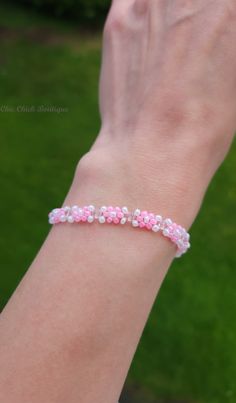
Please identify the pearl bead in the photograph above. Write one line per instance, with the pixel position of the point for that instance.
(168, 221)
(121, 215)
(158, 218)
(180, 243)
(166, 232)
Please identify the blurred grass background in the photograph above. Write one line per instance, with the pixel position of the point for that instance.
(188, 349)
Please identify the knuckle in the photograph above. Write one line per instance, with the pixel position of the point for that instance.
(115, 23)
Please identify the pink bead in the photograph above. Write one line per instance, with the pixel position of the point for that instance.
(176, 233)
(141, 224)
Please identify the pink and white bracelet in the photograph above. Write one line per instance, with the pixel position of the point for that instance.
(121, 215)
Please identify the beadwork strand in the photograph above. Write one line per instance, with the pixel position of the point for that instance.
(121, 215)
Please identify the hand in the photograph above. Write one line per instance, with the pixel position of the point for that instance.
(167, 101)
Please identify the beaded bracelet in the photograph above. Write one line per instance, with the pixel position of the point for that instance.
(121, 215)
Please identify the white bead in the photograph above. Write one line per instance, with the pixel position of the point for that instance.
(135, 223)
(178, 253)
(168, 221)
(51, 220)
(155, 228)
(137, 212)
(180, 243)
(75, 208)
(63, 218)
(113, 214)
(91, 208)
(158, 218)
(55, 211)
(123, 220)
(177, 232)
(166, 232)
(70, 219)
(90, 219)
(103, 208)
(66, 209)
(80, 211)
(146, 220)
(125, 210)
(101, 219)
(182, 231)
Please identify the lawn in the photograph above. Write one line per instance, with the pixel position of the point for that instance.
(188, 349)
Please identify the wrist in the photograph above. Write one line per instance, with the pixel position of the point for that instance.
(121, 177)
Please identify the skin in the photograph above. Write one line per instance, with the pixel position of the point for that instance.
(167, 102)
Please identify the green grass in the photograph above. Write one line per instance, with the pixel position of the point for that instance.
(188, 349)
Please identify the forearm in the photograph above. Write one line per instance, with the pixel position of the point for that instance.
(70, 331)
(168, 117)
